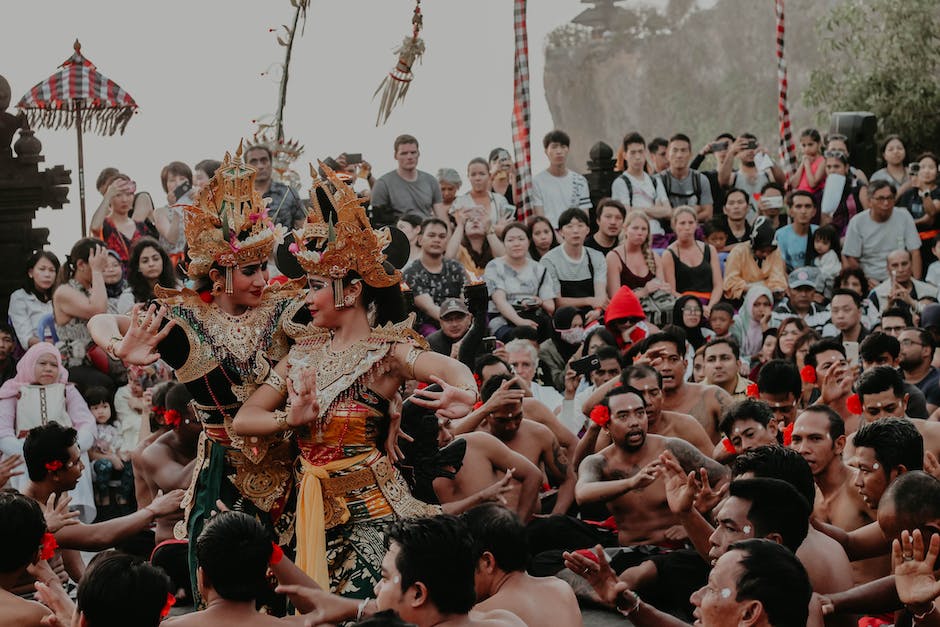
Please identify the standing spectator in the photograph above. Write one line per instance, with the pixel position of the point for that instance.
(80, 294)
(410, 225)
(203, 173)
(149, 266)
(691, 266)
(33, 302)
(494, 206)
(285, 207)
(406, 188)
(450, 183)
(177, 181)
(502, 173)
(119, 229)
(683, 185)
(894, 154)
(873, 234)
(633, 264)
(719, 150)
(755, 262)
(7, 360)
(543, 237)
(556, 189)
(120, 296)
(922, 200)
(658, 155)
(793, 239)
(579, 274)
(433, 277)
(610, 216)
(801, 288)
(916, 351)
(474, 242)
(902, 289)
(811, 173)
(521, 291)
(853, 197)
(637, 189)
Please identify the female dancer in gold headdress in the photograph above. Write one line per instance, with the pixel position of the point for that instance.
(342, 377)
(219, 339)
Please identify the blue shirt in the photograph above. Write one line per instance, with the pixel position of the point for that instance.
(792, 246)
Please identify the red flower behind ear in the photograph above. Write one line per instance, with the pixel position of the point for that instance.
(854, 404)
(600, 415)
(206, 296)
(477, 380)
(170, 602)
(788, 434)
(48, 547)
(729, 447)
(277, 554)
(54, 465)
(808, 374)
(752, 391)
(172, 418)
(478, 405)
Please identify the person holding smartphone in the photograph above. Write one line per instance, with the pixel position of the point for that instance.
(177, 181)
(756, 169)
(481, 196)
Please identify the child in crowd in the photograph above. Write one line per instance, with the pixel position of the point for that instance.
(721, 319)
(811, 175)
(110, 458)
(715, 233)
(933, 270)
(826, 245)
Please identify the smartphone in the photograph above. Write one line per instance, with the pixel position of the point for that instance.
(586, 365)
(751, 144)
(353, 158)
(913, 168)
(717, 146)
(489, 344)
(851, 352)
(182, 189)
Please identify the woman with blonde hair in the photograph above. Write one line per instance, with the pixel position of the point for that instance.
(691, 266)
(634, 264)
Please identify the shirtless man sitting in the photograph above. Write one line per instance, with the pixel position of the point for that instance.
(666, 353)
(819, 436)
(660, 422)
(501, 580)
(22, 527)
(530, 439)
(625, 475)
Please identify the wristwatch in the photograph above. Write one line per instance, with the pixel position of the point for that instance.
(924, 193)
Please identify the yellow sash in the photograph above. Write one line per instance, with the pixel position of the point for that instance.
(311, 522)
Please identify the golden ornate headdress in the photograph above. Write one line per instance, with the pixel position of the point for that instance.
(349, 245)
(229, 224)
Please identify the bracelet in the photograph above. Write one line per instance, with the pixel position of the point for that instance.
(362, 607)
(632, 610)
(110, 348)
(919, 617)
(472, 389)
(280, 419)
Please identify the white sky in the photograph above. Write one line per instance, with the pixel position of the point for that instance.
(195, 70)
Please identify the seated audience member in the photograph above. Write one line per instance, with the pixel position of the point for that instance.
(501, 581)
(846, 311)
(610, 217)
(881, 349)
(23, 528)
(895, 320)
(120, 295)
(455, 321)
(33, 302)
(530, 439)
(756, 261)
(752, 321)
(579, 274)
(433, 277)
(734, 222)
(932, 275)
(203, 173)
(521, 290)
(474, 242)
(802, 286)
(872, 234)
(7, 349)
(795, 239)
(523, 358)
(752, 175)
(543, 238)
(557, 351)
(494, 207)
(450, 183)
(790, 333)
(827, 256)
(852, 195)
(608, 369)
(692, 267)
(111, 461)
(149, 266)
(722, 366)
(917, 349)
(750, 424)
(854, 279)
(687, 314)
(902, 289)
(625, 319)
(722, 319)
(715, 234)
(176, 178)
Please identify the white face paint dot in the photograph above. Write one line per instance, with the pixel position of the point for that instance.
(725, 593)
(876, 466)
(396, 579)
(747, 529)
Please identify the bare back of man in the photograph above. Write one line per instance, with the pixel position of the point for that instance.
(828, 568)
(231, 614)
(18, 612)
(167, 465)
(535, 600)
(705, 403)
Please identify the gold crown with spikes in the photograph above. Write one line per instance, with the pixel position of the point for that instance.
(229, 224)
(350, 245)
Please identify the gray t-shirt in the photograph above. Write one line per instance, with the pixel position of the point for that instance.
(393, 197)
(561, 267)
(682, 192)
(870, 241)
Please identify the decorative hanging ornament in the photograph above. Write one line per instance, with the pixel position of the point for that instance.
(394, 86)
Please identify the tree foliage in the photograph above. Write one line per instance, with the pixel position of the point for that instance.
(882, 56)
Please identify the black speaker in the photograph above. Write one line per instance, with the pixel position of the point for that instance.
(860, 128)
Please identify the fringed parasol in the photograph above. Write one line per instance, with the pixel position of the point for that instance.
(79, 95)
(394, 86)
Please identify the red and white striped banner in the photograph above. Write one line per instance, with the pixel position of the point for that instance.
(522, 190)
(787, 149)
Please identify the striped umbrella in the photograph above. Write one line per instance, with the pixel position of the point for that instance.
(79, 95)
(522, 188)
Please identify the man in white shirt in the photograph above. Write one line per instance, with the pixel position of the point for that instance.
(523, 356)
(638, 190)
(558, 188)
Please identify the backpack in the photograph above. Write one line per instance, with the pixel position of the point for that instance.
(626, 179)
(696, 187)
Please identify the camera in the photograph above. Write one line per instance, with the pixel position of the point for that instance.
(718, 146)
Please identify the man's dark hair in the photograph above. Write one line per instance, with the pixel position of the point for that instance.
(805, 194)
(603, 203)
(923, 335)
(777, 462)
(259, 147)
(748, 409)
(729, 341)
(401, 140)
(438, 552)
(44, 444)
(120, 589)
(233, 551)
(524, 332)
(772, 574)
(673, 337)
(728, 308)
(640, 371)
(556, 137)
(488, 360)
(656, 143)
(836, 423)
(916, 498)
(492, 385)
(620, 390)
(877, 184)
(899, 312)
(779, 376)
(573, 214)
(772, 185)
(681, 137)
(850, 293)
(209, 166)
(880, 379)
(633, 138)
(22, 525)
(776, 507)
(877, 344)
(431, 222)
(499, 531)
(607, 352)
(821, 346)
(896, 442)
